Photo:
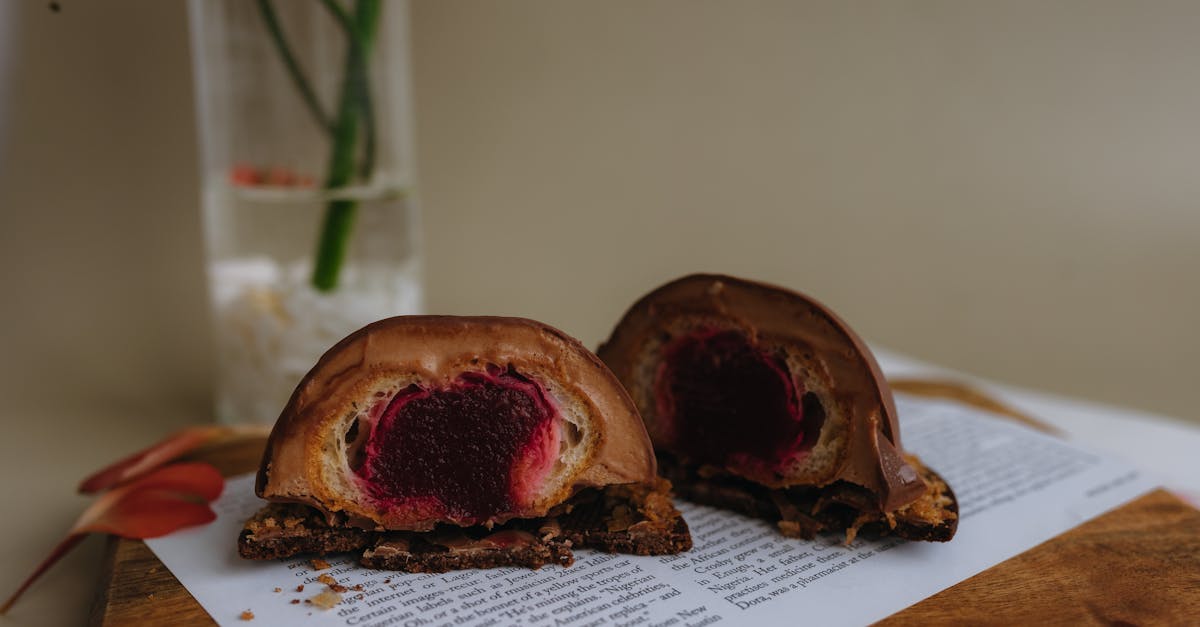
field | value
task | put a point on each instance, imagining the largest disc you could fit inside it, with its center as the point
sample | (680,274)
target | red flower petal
(150,514)
(163,501)
(168,449)
(190,482)
(244,175)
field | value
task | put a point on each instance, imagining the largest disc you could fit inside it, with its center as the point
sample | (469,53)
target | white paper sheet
(1016,488)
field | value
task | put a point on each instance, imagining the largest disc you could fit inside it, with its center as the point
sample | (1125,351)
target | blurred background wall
(1009,188)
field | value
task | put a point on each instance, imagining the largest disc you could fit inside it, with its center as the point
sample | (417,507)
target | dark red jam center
(465,452)
(723,401)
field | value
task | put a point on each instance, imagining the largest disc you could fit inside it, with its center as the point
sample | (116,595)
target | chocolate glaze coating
(873,457)
(434,350)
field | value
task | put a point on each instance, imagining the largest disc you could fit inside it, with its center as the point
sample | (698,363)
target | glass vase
(307,174)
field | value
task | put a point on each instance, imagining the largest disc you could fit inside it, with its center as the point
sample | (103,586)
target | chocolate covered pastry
(439,442)
(764,401)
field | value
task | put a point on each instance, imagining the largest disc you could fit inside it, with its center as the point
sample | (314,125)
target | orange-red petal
(165,500)
(150,514)
(170,448)
(123,510)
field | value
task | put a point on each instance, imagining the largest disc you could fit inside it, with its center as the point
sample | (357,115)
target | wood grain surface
(1136,565)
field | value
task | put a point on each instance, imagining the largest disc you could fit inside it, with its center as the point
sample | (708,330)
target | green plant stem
(364,96)
(271,19)
(340,213)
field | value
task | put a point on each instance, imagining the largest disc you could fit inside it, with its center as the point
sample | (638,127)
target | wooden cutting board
(1139,564)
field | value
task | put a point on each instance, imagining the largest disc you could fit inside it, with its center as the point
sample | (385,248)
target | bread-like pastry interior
(713,393)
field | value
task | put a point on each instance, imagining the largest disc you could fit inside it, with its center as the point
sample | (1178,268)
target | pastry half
(441,432)
(763,400)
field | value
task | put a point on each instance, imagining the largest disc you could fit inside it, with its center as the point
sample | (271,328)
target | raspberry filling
(723,401)
(479,447)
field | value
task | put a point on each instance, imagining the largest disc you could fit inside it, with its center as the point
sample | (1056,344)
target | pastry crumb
(247,615)
(319,564)
(326,599)
(278,589)
(295,601)
(300,588)
(333,584)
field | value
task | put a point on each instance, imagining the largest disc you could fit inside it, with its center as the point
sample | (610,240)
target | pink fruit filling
(722,400)
(479,447)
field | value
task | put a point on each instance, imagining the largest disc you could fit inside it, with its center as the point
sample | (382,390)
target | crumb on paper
(326,599)
(333,584)
(300,588)
(247,615)
(387,581)
(295,601)
(278,589)
(358,587)
(319,564)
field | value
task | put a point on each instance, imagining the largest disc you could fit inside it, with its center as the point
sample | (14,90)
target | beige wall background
(1006,187)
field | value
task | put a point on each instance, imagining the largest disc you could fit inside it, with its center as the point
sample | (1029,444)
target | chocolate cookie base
(287,529)
(620,519)
(640,520)
(414,553)
(803,512)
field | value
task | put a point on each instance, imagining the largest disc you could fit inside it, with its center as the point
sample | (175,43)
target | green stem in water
(271,19)
(353,104)
(364,96)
